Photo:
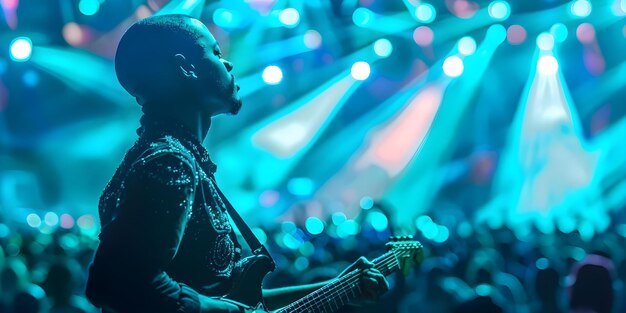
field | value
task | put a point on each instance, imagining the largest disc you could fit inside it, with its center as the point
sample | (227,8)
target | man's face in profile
(216,84)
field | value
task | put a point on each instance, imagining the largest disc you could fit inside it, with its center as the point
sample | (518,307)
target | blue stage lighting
(425,13)
(453,66)
(89,7)
(467,45)
(362,16)
(500,10)
(314,225)
(360,70)
(383,47)
(289,17)
(559,32)
(581,8)
(224,18)
(545,41)
(272,75)
(21,48)
(547,65)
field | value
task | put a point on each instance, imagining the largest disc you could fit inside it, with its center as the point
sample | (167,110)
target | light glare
(453,66)
(467,45)
(360,70)
(272,75)
(383,47)
(547,65)
(21,49)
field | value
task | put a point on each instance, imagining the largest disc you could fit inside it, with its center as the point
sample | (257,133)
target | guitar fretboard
(341,290)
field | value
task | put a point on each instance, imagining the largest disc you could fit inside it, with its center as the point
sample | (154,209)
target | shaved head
(144,55)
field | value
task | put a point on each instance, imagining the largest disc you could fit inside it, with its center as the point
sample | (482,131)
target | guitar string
(340,286)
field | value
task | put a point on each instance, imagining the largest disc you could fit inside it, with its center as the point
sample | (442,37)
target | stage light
(423,36)
(21,49)
(360,70)
(453,66)
(425,13)
(301,186)
(585,33)
(312,39)
(272,75)
(497,32)
(67,221)
(559,31)
(378,220)
(516,34)
(547,65)
(442,234)
(290,17)
(30,78)
(314,225)
(366,203)
(362,16)
(383,47)
(224,18)
(86,222)
(581,8)
(467,45)
(33,220)
(89,7)
(51,219)
(500,10)
(545,41)
(542,263)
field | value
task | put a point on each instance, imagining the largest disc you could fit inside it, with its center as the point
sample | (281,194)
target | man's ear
(185,66)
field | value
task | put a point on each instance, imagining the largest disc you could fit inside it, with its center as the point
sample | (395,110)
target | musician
(166,241)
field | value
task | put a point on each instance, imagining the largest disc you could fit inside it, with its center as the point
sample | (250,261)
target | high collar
(152,128)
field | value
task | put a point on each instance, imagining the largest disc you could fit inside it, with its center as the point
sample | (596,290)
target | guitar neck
(340,291)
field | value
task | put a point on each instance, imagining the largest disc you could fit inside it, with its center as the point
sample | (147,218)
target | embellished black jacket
(165,233)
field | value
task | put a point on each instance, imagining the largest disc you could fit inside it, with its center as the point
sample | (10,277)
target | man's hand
(208,304)
(372,281)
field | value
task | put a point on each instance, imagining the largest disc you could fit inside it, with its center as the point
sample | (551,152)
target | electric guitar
(401,253)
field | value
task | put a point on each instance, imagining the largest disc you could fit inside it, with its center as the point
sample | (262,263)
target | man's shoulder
(166,147)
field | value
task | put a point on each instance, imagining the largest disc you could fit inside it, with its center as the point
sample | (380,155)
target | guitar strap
(253,242)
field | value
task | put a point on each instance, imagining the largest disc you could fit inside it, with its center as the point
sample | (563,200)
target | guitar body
(247,289)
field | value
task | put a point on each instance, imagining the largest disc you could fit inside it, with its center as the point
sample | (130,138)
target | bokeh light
(467,45)
(499,10)
(67,221)
(547,65)
(312,39)
(73,34)
(366,203)
(314,225)
(453,66)
(425,13)
(360,70)
(289,17)
(86,222)
(516,34)
(559,31)
(89,7)
(272,75)
(580,8)
(224,18)
(586,33)
(51,219)
(383,47)
(301,186)
(545,41)
(378,220)
(362,16)
(33,220)
(21,49)
(423,36)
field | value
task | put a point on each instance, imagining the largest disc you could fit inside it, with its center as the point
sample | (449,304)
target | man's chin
(236,107)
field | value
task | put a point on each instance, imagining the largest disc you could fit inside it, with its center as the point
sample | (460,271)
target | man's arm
(127,274)
(373,284)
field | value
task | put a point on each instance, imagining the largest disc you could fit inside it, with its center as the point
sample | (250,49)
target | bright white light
(383,47)
(453,66)
(545,41)
(360,70)
(289,17)
(425,13)
(21,49)
(581,8)
(467,45)
(312,39)
(499,10)
(362,16)
(547,65)
(272,75)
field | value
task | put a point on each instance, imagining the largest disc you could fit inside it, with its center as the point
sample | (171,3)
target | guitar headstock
(407,251)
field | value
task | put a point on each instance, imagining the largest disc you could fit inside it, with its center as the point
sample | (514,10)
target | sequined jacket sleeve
(127,273)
